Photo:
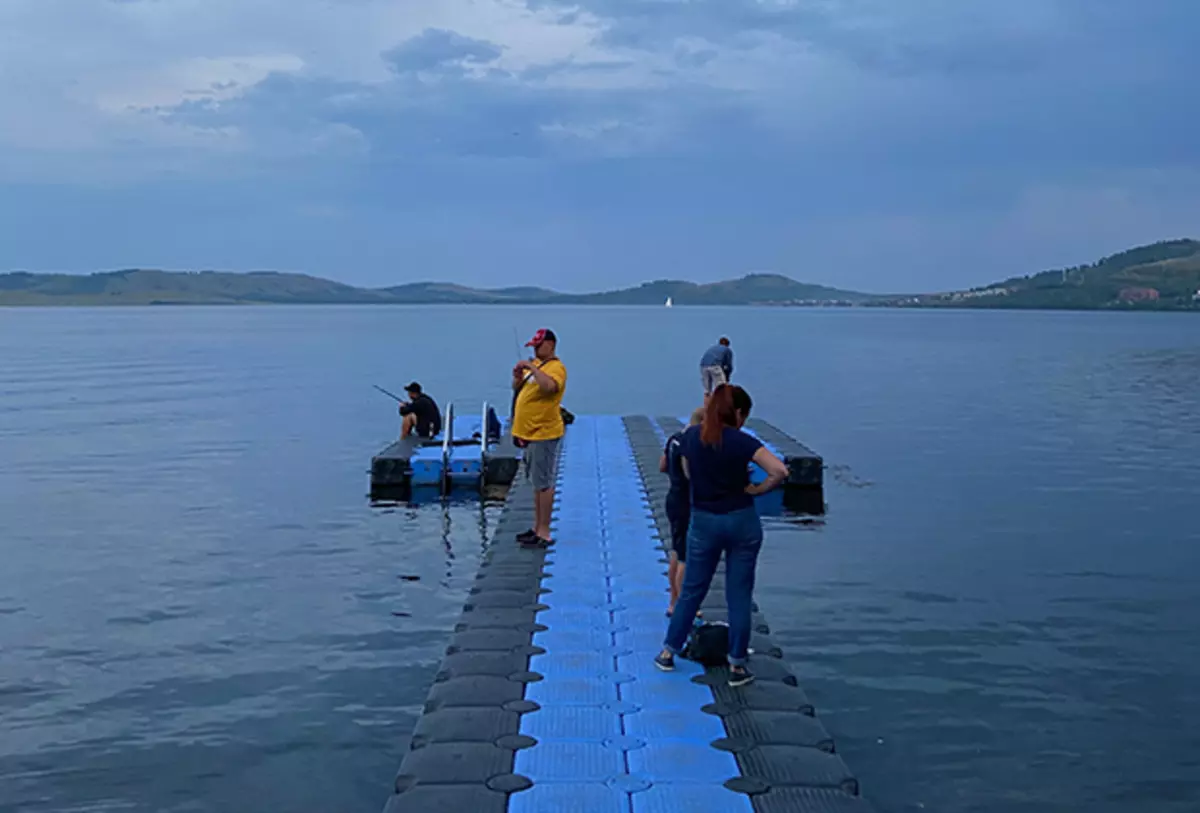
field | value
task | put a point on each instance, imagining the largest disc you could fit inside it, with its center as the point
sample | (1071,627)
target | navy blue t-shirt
(677,494)
(720,474)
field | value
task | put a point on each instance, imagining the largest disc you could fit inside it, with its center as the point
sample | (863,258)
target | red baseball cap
(543,335)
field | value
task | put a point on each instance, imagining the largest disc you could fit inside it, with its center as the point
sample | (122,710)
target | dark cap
(413,387)
(543,335)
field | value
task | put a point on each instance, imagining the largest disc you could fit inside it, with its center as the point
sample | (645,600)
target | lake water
(200,611)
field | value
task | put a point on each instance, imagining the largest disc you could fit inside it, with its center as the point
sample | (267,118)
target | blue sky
(882,145)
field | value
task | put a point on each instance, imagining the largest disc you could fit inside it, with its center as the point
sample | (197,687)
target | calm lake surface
(200,611)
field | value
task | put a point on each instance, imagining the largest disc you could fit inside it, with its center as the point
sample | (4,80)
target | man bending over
(716,367)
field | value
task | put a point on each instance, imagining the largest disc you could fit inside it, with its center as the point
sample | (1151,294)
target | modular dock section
(548,700)
(460,456)
(807,469)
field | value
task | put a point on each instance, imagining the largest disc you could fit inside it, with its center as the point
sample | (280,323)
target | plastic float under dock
(548,700)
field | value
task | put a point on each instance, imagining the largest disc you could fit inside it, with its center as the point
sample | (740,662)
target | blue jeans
(739,536)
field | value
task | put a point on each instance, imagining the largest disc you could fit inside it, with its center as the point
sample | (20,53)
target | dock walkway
(548,700)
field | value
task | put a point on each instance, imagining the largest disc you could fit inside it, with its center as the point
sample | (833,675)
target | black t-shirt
(429,419)
(719,474)
(678,491)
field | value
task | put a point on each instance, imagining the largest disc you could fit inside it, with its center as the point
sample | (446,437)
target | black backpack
(708,644)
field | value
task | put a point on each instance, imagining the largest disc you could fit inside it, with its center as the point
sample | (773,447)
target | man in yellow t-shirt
(537,426)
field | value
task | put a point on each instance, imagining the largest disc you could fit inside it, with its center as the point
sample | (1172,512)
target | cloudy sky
(883,145)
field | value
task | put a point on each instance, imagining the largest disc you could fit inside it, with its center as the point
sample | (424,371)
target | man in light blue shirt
(716,366)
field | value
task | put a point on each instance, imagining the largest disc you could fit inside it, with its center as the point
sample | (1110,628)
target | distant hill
(753,289)
(145,287)
(435,292)
(148,287)
(1160,276)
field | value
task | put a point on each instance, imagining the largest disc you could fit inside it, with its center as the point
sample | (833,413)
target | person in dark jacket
(679,507)
(420,414)
(717,455)
(716,366)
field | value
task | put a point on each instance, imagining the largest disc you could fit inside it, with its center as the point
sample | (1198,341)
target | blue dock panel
(608,550)
(425,461)
(548,700)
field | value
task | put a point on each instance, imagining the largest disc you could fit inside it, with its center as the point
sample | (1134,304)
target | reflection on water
(458,506)
(198,606)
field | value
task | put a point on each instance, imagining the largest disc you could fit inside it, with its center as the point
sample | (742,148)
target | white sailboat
(668,303)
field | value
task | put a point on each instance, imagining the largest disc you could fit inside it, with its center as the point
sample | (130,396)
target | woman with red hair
(716,460)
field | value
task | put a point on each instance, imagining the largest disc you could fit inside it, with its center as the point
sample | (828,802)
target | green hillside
(441,292)
(144,287)
(147,287)
(753,289)
(1161,276)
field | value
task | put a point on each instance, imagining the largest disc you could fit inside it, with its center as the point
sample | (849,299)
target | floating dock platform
(807,469)
(463,455)
(548,700)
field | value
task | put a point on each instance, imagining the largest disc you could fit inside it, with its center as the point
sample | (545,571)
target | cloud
(439,49)
(817,74)
(723,133)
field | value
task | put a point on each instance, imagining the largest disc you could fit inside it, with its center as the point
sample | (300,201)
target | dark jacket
(429,418)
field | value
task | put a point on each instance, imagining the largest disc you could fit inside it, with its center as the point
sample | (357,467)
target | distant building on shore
(1138,295)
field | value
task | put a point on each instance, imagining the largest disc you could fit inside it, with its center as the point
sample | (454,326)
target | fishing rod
(517,343)
(512,410)
(392,395)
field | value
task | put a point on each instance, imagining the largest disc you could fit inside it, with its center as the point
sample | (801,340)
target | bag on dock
(708,644)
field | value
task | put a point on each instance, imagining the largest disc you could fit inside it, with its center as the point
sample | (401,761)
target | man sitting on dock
(420,414)
(537,427)
(716,366)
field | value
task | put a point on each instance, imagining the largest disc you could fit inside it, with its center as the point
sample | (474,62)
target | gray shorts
(712,377)
(541,463)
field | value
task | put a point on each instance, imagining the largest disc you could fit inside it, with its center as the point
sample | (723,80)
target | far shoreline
(101,306)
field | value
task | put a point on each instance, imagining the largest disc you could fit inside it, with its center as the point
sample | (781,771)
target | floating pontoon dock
(548,700)
(465,456)
(462,456)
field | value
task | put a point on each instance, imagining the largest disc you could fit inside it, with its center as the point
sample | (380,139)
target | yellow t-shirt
(537,415)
